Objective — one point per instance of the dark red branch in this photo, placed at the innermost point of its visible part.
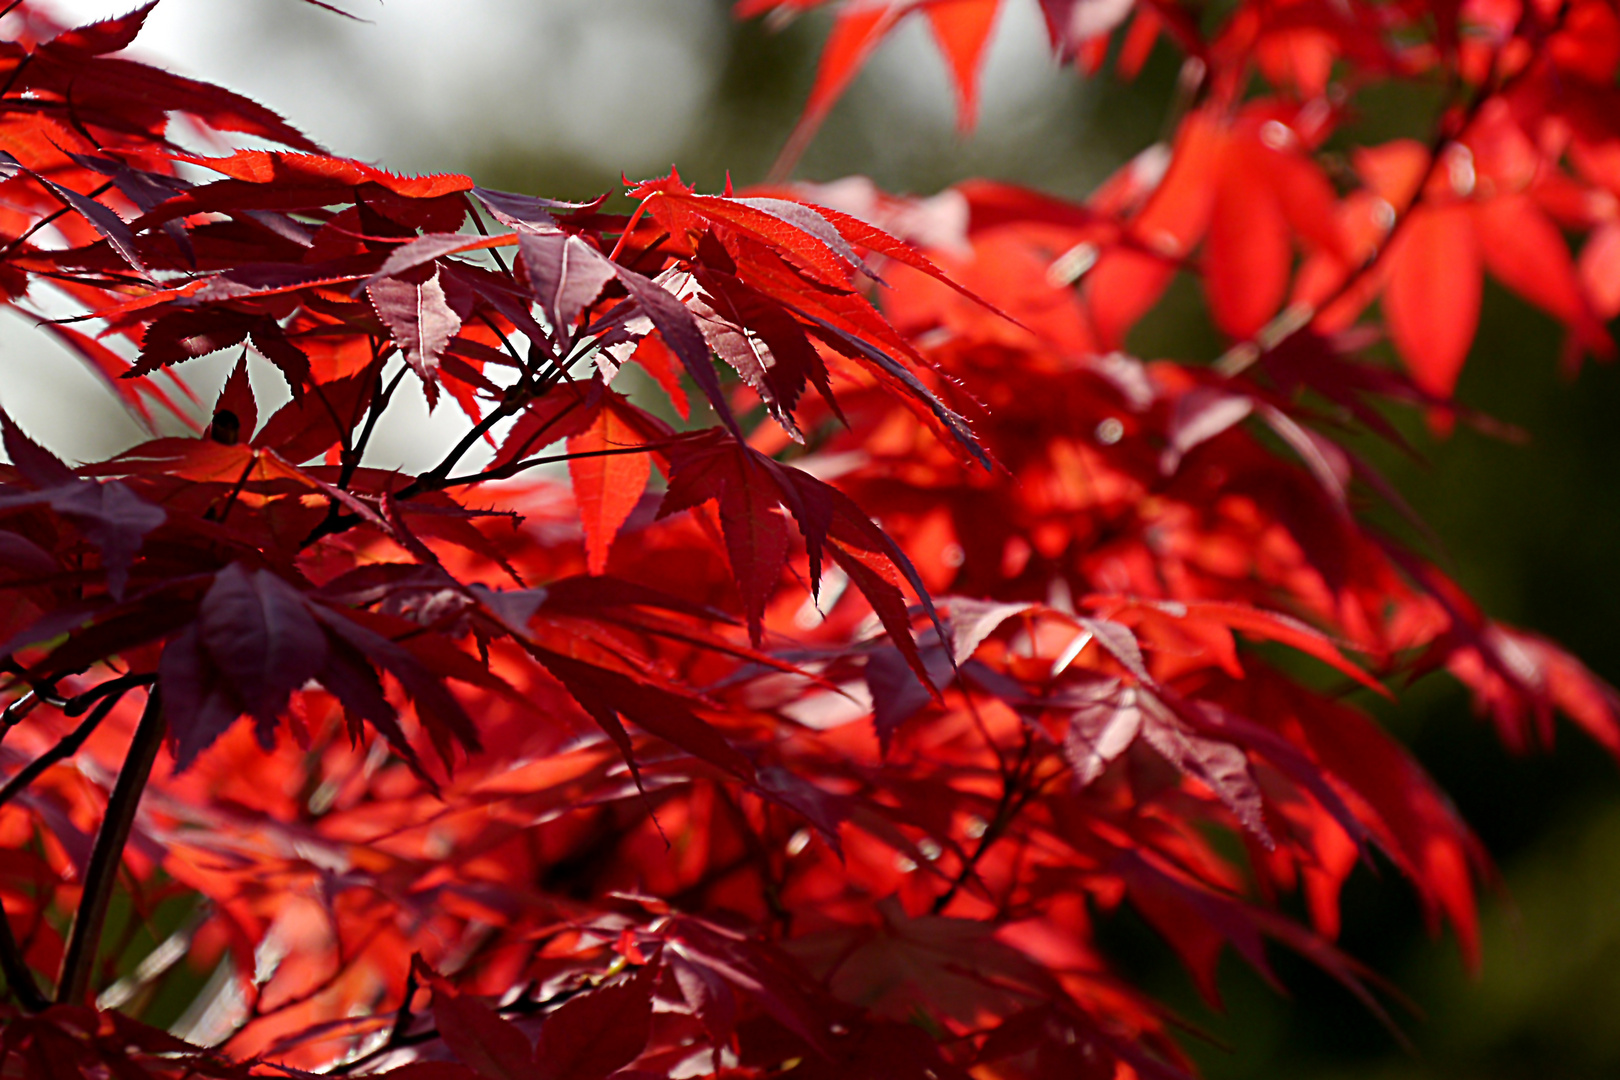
(108, 854)
(19, 979)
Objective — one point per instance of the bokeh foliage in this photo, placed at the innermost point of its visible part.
(1529, 526)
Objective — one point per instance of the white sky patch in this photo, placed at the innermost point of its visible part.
(424, 84)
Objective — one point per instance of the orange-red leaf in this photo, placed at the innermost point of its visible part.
(607, 486)
(1432, 297)
(962, 29)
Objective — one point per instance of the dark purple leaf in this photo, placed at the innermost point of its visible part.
(1105, 722)
(425, 249)
(971, 621)
(440, 711)
(756, 967)
(1110, 715)
(272, 343)
(197, 704)
(481, 1037)
(21, 557)
(418, 316)
(146, 190)
(188, 333)
(38, 466)
(101, 218)
(260, 633)
(823, 809)
(355, 684)
(606, 695)
(527, 213)
(1217, 764)
(748, 356)
(111, 516)
(949, 419)
(708, 996)
(773, 344)
(897, 694)
(1121, 644)
(566, 274)
(1287, 758)
(497, 291)
(114, 519)
(679, 329)
(597, 1033)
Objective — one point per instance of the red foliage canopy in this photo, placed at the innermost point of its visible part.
(620, 776)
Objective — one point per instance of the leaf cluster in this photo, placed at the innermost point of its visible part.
(689, 765)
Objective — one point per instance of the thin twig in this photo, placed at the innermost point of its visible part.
(48, 218)
(236, 492)
(478, 223)
(66, 748)
(17, 711)
(398, 1039)
(511, 350)
(402, 1019)
(435, 477)
(22, 65)
(540, 432)
(108, 855)
(504, 471)
(319, 390)
(385, 394)
(79, 704)
(19, 979)
(1242, 356)
(1014, 796)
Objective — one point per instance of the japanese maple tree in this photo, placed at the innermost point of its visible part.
(690, 765)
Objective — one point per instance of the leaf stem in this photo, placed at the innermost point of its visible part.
(511, 350)
(1014, 795)
(478, 223)
(66, 748)
(547, 426)
(503, 471)
(435, 479)
(402, 1019)
(385, 394)
(629, 227)
(48, 218)
(22, 65)
(108, 854)
(1240, 357)
(236, 492)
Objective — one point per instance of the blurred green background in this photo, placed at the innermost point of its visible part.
(558, 96)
